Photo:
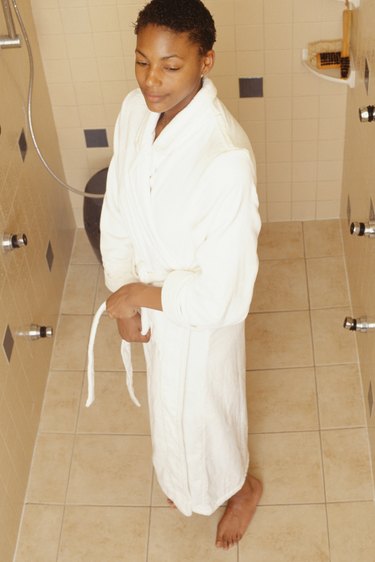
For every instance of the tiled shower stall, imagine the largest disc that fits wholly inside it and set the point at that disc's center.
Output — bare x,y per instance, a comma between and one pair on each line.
297,122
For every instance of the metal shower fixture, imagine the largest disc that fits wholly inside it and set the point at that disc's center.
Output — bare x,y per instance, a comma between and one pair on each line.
363,229
12,39
358,324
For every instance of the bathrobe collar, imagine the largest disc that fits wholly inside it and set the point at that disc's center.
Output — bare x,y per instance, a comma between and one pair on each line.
185,118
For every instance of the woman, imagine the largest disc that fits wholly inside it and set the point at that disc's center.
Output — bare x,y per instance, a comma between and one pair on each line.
179,234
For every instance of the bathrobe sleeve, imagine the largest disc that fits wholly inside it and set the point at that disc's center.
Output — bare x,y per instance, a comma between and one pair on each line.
115,245
220,291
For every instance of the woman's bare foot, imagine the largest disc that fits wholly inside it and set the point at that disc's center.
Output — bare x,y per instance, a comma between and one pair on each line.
238,513
171,503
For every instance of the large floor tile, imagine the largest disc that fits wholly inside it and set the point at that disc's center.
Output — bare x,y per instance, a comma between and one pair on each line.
281,240
80,289
347,467
108,349
280,285
278,340
50,468
111,470
113,411
322,238
332,343
295,533
289,465
71,340
327,282
40,533
82,251
282,400
104,534
340,396
351,531
61,402
158,497
174,537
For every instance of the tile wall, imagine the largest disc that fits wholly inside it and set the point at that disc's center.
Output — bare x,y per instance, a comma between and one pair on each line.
297,128
359,190
31,278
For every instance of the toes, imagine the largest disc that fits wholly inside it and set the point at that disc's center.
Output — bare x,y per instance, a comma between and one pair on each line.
222,543
226,544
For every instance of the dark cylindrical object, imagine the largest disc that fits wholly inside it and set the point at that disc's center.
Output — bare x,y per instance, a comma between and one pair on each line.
367,114
92,209
350,324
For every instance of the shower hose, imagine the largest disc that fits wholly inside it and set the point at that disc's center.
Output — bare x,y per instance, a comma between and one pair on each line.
29,112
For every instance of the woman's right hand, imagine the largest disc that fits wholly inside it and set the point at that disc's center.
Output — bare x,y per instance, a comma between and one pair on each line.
130,329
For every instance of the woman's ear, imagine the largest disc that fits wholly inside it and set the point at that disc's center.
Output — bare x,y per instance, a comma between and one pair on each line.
208,62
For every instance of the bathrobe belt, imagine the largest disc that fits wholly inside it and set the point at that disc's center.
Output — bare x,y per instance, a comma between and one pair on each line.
125,353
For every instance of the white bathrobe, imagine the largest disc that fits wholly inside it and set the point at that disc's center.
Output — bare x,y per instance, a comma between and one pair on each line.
181,212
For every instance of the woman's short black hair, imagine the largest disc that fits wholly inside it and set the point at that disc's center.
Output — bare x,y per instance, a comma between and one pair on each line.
189,16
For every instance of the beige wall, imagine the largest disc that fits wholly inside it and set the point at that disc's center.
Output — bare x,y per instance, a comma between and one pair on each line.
359,186
29,291
297,129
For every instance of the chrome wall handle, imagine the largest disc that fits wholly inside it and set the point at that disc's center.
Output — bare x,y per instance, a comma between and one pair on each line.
367,114
363,229
358,325
35,332
13,241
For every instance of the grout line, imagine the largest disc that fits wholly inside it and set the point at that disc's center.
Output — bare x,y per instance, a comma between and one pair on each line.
150,515
317,403
298,367
318,413
74,433
166,507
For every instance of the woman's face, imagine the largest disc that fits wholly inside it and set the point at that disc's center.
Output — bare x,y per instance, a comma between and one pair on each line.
169,68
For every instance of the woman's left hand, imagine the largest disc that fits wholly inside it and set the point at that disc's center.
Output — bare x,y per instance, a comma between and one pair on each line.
121,304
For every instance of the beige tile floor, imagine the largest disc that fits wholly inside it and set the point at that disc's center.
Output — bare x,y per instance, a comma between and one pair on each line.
92,495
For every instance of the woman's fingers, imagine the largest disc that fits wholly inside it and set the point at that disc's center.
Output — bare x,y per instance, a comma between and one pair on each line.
130,329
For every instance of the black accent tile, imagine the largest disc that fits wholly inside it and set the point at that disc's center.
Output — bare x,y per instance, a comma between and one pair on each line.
23,145
50,256
251,87
96,138
370,398
348,210
8,343
367,75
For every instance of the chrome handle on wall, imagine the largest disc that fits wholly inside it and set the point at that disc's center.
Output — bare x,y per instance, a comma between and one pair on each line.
13,241
367,114
35,332
360,325
363,229
12,39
